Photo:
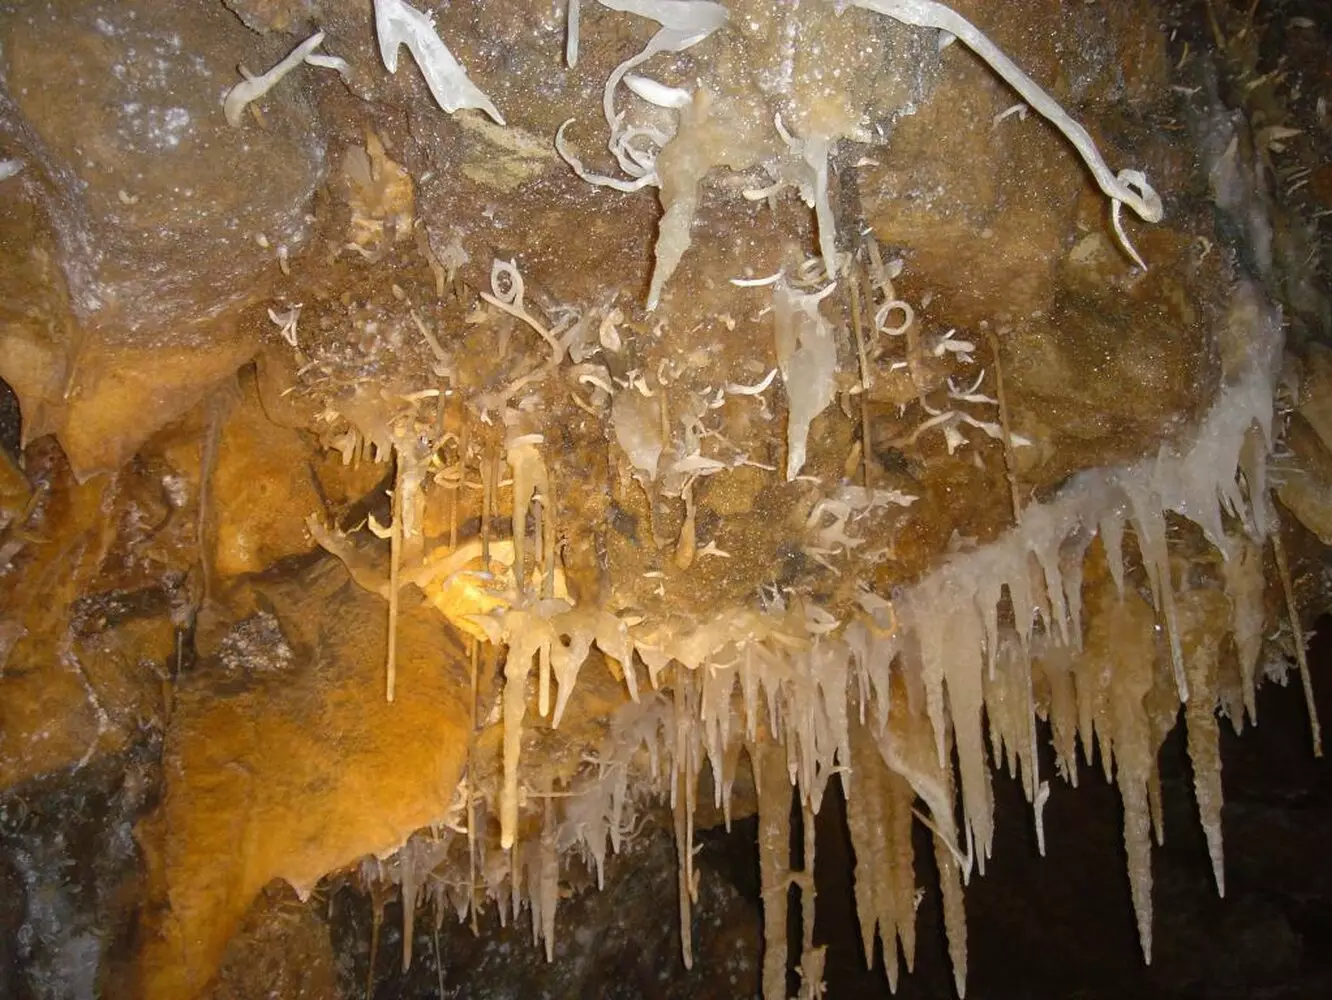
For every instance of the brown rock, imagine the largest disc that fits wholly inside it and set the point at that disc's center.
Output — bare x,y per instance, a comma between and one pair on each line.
129,198
296,773
983,206
1113,365
101,396
1306,489
1077,52
123,121
15,495
1316,392
261,491
36,323
80,675
121,395
65,703
281,950
272,15
981,209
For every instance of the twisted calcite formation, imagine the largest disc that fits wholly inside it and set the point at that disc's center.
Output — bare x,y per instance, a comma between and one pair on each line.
1049,621
1079,615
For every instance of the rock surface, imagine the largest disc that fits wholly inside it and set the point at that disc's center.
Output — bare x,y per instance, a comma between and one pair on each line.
289,767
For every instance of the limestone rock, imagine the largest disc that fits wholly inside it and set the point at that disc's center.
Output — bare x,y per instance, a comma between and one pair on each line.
262,490
141,245
1306,489
80,668
1111,365
281,950
120,107
273,15
291,774
124,394
36,323
1316,392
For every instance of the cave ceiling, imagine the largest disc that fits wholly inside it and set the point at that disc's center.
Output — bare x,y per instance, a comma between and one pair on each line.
456,431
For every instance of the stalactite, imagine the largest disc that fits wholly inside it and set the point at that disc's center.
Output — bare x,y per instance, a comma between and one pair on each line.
1149,522
376,922
863,820
548,535
1245,587
954,911
951,646
515,882
1121,649
529,477
406,538
1094,728
548,887
774,801
1010,709
879,821
686,545
543,681
1297,638
406,861
1110,534
488,478
1155,804
1054,669
682,802
395,570
517,666
1202,611
808,890
471,845
811,972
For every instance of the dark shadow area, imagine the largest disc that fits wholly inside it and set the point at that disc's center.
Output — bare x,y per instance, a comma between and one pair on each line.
1063,925
11,421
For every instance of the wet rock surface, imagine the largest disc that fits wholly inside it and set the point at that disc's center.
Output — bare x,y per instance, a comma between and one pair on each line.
301,740
73,875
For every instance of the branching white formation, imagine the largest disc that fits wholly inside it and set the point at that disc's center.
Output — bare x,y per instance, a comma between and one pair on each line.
286,323
658,93
684,23
812,151
335,63
887,700
397,25
1128,187
807,357
646,177
687,22
573,21
254,87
